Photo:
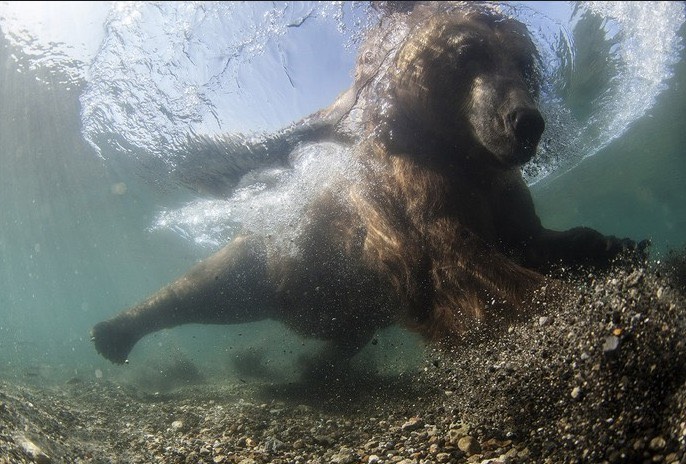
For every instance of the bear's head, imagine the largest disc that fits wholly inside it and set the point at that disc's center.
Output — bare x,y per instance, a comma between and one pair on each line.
459,76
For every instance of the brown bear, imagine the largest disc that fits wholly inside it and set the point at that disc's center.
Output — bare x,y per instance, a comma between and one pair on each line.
439,234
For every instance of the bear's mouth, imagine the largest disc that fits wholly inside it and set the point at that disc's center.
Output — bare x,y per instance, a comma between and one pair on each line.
525,151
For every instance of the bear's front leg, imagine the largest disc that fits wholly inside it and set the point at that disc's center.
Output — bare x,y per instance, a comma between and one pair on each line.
580,246
229,287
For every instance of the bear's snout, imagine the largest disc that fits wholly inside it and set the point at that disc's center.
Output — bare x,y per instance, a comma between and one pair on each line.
527,124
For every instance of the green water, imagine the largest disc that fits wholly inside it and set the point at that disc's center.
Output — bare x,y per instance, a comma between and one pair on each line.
72,250
636,186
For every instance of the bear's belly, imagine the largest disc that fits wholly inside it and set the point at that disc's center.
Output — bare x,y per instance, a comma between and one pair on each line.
330,306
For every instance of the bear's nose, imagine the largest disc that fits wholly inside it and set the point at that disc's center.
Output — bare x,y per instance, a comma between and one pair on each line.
527,125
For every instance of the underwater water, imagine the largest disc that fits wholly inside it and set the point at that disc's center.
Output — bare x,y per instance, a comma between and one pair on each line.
96,98
94,93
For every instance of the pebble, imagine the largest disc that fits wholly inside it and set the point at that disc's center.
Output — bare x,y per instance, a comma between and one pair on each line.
469,445
413,423
344,456
455,434
673,458
660,292
443,457
371,444
32,450
611,343
657,443
634,278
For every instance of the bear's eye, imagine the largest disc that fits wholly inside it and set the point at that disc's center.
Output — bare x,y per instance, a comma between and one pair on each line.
465,51
470,57
470,49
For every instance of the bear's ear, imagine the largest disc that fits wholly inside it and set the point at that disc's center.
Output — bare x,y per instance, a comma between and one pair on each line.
388,8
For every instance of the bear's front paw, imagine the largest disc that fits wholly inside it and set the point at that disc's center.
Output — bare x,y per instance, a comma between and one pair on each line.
113,341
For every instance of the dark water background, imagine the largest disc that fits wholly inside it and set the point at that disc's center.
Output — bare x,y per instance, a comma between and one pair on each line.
80,231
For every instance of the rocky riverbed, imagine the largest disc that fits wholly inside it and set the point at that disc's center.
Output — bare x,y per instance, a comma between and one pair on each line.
600,377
